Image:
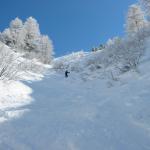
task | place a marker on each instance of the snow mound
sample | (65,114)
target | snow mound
(13,96)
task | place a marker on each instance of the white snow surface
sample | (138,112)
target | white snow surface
(59,113)
(13,96)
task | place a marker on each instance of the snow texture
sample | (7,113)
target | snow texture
(71,114)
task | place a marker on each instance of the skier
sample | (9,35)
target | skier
(66,73)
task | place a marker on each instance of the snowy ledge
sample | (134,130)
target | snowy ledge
(15,95)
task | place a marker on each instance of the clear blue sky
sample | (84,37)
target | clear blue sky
(71,24)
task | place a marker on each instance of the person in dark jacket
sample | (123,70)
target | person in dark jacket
(66,73)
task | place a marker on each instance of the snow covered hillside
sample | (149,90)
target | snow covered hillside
(102,105)
(73,114)
(14,94)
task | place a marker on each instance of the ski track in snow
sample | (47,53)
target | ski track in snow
(70,114)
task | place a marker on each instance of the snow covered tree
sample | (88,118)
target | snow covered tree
(37,45)
(135,20)
(16,23)
(18,33)
(13,35)
(100,47)
(146,6)
(6,37)
(27,39)
(32,34)
(46,49)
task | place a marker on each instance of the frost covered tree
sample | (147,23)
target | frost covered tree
(27,39)
(32,36)
(124,52)
(101,47)
(37,45)
(46,49)
(135,20)
(10,67)
(146,6)
(13,36)
(18,33)
(136,28)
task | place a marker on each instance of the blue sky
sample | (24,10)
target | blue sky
(71,24)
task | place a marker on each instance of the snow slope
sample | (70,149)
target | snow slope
(71,114)
(14,95)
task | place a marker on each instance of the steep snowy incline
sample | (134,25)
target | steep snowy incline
(70,114)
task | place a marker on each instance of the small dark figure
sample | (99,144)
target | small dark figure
(66,73)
